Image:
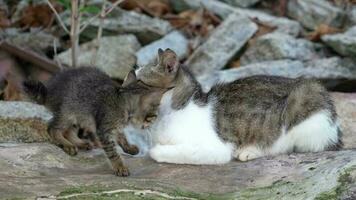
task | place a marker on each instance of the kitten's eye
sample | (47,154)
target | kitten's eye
(135,66)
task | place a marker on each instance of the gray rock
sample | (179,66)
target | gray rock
(328,69)
(351,16)
(346,109)
(23,122)
(343,43)
(39,41)
(174,40)
(146,29)
(241,3)
(312,13)
(221,9)
(43,170)
(282,24)
(277,46)
(224,43)
(116,55)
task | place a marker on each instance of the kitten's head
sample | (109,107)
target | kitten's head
(144,100)
(163,73)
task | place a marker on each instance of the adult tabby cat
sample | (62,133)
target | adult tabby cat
(244,119)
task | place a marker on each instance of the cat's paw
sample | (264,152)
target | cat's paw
(122,171)
(71,150)
(249,153)
(155,153)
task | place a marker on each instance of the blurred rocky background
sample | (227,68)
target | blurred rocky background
(220,41)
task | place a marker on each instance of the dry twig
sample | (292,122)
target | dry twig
(90,20)
(57,16)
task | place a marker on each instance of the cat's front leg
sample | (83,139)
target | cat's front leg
(108,143)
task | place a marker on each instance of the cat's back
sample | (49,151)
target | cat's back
(78,87)
(253,90)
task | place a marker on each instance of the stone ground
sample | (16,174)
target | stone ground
(44,171)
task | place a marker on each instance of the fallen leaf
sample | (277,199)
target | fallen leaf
(321,30)
(12,91)
(263,28)
(154,8)
(11,77)
(194,22)
(234,64)
(39,15)
(4,20)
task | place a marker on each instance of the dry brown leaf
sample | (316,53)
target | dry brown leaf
(235,64)
(158,8)
(39,15)
(4,20)
(321,30)
(263,28)
(11,77)
(155,8)
(194,22)
(12,91)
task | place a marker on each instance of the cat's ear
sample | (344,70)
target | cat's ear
(129,79)
(168,59)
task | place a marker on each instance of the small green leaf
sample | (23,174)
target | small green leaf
(90,9)
(65,3)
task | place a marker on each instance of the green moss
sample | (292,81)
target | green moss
(94,192)
(83,189)
(205,196)
(15,198)
(344,181)
(123,195)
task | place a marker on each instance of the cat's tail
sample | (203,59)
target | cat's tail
(36,90)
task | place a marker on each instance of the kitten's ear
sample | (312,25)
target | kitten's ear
(129,79)
(159,55)
(160,52)
(169,61)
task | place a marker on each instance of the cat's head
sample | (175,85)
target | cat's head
(163,73)
(144,100)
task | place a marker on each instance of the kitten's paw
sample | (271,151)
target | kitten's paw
(249,153)
(133,150)
(122,171)
(71,150)
(86,146)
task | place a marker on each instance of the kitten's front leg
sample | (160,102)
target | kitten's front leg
(126,147)
(108,143)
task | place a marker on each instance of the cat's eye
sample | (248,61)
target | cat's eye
(150,118)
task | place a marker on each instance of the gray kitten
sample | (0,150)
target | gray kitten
(245,119)
(89,99)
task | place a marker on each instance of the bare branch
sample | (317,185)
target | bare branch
(74,33)
(30,56)
(100,33)
(56,55)
(90,20)
(57,16)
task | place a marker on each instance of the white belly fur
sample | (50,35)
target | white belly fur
(187,136)
(314,134)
